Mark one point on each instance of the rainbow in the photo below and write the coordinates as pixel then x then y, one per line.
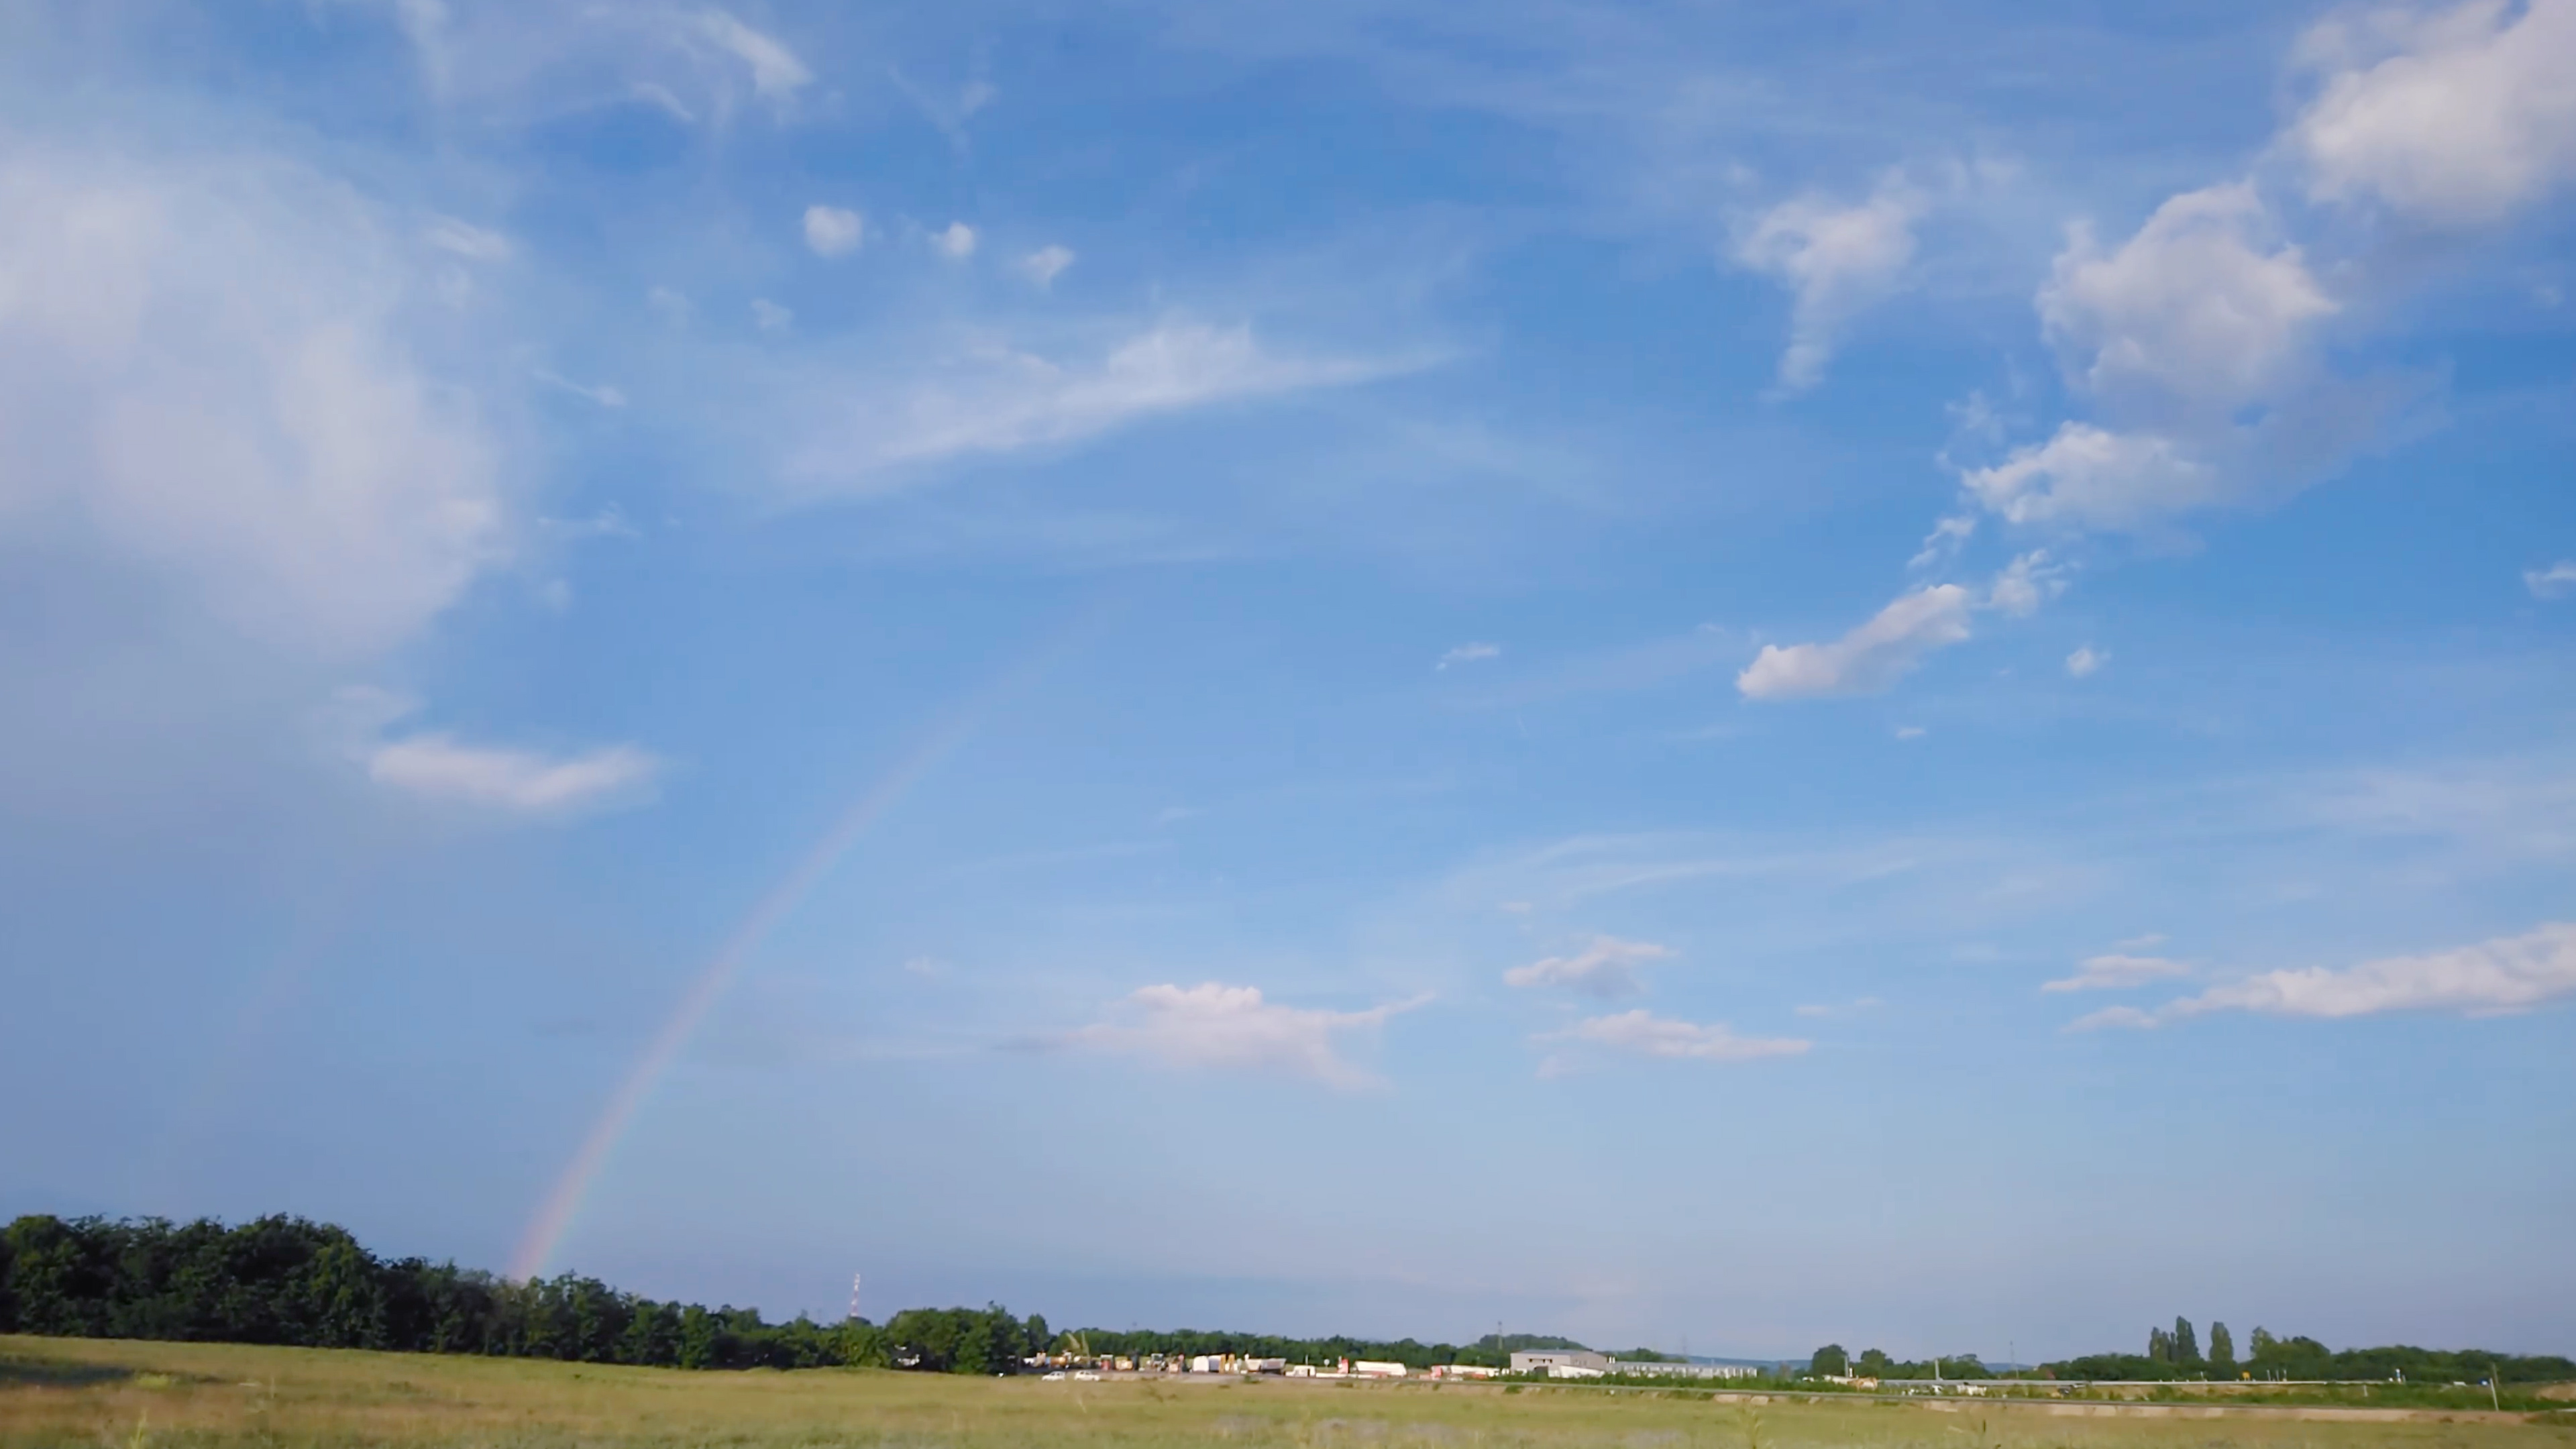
pixel 554 1216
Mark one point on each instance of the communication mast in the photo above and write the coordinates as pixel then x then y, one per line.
pixel 854 1294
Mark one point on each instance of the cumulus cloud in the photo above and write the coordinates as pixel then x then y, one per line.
pixel 206 372
pixel 1469 654
pixel 1605 968
pixel 2504 975
pixel 1642 1033
pixel 1870 658
pixel 1836 260
pixel 1000 401
pixel 1045 264
pixel 2449 115
pixel 957 243
pixel 834 231
pixel 2554 582
pixel 2117 972
pixel 2085 661
pixel 1232 1027
pixel 2200 311
pixel 2091 478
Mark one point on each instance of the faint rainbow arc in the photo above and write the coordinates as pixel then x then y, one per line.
pixel 554 1216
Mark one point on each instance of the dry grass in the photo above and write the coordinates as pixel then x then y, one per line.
pixel 152 1395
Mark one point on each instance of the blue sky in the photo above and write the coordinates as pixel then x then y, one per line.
pixel 1898 675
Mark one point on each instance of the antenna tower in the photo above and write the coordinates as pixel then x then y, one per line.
pixel 854 1294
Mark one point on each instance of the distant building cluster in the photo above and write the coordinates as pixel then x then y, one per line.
pixel 1092 1366
pixel 1582 1363
pixel 1542 1363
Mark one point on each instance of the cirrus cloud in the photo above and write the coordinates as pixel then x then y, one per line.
pixel 1644 1034
pixel 1215 1026
pixel 1604 968
pixel 2490 978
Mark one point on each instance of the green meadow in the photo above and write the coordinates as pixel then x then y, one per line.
pixel 137 1394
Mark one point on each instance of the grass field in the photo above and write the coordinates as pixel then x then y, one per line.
pixel 136 1395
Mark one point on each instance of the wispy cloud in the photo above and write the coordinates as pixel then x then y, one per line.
pixel 2117 972
pixel 1233 1027
pixel 2086 660
pixel 1836 259
pixel 1605 968
pixel 994 401
pixel 1642 1033
pixel 1870 658
pixel 466 240
pixel 439 767
pixel 1046 264
pixel 2554 582
pixel 776 73
pixel 2507 974
pixel 604 394
pixel 1469 654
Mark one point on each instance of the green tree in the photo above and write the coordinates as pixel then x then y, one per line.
pixel 2222 1350
pixel 1831 1359
pixel 2186 1345
pixel 1874 1363
pixel 697 1338
pixel 2159 1346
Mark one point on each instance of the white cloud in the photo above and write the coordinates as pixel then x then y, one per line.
pixel 1642 1033
pixel 1943 541
pixel 1870 658
pixel 776 73
pixel 2508 974
pixel 1911 732
pixel 834 231
pixel 2553 582
pixel 1232 1027
pixel 2197 313
pixel 1469 654
pixel 1045 264
pixel 2086 660
pixel 1836 261
pixel 463 239
pixel 206 372
pixel 2451 115
pixel 2090 478
pixel 2025 583
pixel 768 316
pixel 604 394
pixel 437 767
pixel 998 401
pixel 673 305
pixel 1604 968
pixel 957 243
pixel 2117 972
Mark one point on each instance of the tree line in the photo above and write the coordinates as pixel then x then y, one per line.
pixel 289 1281
pixel 2175 1353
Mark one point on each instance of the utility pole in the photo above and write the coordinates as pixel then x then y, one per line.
pixel 2494 1397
